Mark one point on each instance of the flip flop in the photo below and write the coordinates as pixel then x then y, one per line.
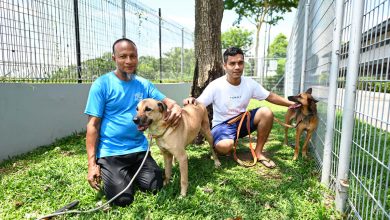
pixel 267 163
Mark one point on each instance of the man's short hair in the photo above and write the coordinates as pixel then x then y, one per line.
pixel 232 51
pixel 120 40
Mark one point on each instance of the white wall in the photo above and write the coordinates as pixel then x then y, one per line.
pixel 32 115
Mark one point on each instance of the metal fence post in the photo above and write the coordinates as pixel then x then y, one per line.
pixel 77 32
pixel 182 53
pixel 306 27
pixel 159 41
pixel 348 120
pixel 264 59
pixel 334 71
pixel 289 67
pixel 123 18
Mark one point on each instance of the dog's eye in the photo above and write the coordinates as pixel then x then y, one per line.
pixel 147 109
pixel 136 108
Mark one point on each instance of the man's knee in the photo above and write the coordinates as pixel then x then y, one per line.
pixel 152 180
pixel 265 114
pixel 123 200
pixel 224 146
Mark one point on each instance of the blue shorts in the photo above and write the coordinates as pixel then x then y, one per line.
pixel 225 131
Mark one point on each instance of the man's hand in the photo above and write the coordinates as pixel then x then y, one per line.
pixel 94 178
pixel 190 100
pixel 173 116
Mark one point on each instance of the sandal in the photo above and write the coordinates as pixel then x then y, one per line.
pixel 267 163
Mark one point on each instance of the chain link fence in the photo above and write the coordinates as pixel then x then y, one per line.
pixel 271 74
pixel 70 41
pixel 341 49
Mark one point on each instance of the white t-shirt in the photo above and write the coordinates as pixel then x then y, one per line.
pixel 229 100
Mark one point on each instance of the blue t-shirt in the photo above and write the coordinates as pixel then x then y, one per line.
pixel 114 101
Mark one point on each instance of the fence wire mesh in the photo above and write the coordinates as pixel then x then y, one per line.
pixel 369 165
pixel 40 40
pixel 39 43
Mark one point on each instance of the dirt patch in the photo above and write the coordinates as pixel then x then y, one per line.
pixel 267 173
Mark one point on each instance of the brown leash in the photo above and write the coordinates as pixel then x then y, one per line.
pixel 241 117
pixel 284 124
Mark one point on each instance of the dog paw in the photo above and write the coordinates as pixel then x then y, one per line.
pixel 217 164
pixel 295 157
pixel 166 181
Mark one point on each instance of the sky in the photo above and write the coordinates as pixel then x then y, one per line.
pixel 183 13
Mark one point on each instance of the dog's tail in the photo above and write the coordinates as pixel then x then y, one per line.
pixel 283 124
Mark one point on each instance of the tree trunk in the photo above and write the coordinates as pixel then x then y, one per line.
pixel 258 29
pixel 208 54
pixel 257 58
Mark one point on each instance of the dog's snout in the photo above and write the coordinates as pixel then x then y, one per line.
pixel 136 120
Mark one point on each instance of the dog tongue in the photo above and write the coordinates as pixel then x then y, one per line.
pixel 141 128
pixel 295 106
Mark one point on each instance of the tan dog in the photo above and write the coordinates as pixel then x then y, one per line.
pixel 173 140
pixel 305 114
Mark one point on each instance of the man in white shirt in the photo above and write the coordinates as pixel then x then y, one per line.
pixel 230 95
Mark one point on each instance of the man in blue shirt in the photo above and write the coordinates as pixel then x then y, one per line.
pixel 115 147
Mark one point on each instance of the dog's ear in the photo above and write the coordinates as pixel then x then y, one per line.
pixel 162 106
pixel 309 90
pixel 313 106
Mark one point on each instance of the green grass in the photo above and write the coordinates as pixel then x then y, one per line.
pixel 49 177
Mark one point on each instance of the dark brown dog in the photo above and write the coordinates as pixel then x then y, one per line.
pixel 173 140
pixel 305 114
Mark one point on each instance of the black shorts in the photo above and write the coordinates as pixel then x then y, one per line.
pixel 117 172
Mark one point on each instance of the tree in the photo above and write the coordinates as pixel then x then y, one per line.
pixel 237 37
pixel 277 50
pixel 91 69
pixel 172 64
pixel 259 12
pixel 208 55
pixel 148 67
pixel 278 47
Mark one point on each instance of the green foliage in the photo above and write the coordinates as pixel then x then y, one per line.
pixel 237 37
pixel 278 47
pixel 91 69
pixel 149 67
pixel 281 67
pixel 374 86
pixel 49 177
pixel 277 50
pixel 172 63
pixel 367 84
pixel 257 9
